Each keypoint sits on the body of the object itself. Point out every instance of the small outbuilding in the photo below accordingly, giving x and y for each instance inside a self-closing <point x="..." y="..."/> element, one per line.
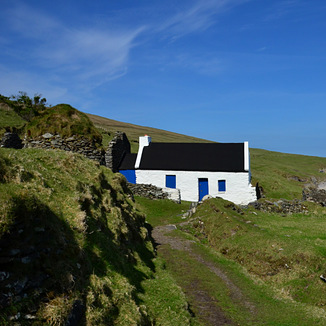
<point x="196" y="169"/>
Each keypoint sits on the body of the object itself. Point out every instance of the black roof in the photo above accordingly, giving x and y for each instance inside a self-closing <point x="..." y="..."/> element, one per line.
<point x="224" y="157"/>
<point x="128" y="162"/>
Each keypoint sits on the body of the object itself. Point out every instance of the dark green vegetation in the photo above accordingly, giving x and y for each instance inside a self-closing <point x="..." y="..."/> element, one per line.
<point x="69" y="231"/>
<point x="33" y="117"/>
<point x="65" y="120"/>
<point x="24" y="106"/>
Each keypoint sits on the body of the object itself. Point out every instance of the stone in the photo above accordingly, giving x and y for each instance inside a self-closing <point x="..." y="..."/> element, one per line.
<point x="315" y="194"/>
<point x="47" y="135"/>
<point x="207" y="197"/>
<point x="29" y="317"/>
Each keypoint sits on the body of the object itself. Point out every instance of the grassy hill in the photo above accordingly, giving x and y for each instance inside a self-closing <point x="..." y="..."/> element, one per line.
<point x="108" y="127"/>
<point x="64" y="120"/>
<point x="72" y="241"/>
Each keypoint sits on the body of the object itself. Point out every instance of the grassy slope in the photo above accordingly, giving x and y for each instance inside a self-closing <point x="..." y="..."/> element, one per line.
<point x="284" y="175"/>
<point x="64" y="120"/>
<point x="91" y="241"/>
<point x="283" y="285"/>
<point x="9" y="118"/>
<point x="133" y="132"/>
<point x="285" y="252"/>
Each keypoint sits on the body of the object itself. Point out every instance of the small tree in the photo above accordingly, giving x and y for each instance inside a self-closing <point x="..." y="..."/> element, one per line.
<point x="28" y="107"/>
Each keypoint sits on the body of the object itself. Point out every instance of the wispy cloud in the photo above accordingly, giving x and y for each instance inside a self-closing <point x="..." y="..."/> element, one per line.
<point x="83" y="53"/>
<point x="196" y="18"/>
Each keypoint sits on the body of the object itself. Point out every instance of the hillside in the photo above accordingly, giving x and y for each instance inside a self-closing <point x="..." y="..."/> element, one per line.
<point x="133" y="132"/>
<point x="75" y="248"/>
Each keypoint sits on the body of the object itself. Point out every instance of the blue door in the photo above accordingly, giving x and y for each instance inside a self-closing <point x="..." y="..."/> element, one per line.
<point x="170" y="181"/>
<point x="202" y="187"/>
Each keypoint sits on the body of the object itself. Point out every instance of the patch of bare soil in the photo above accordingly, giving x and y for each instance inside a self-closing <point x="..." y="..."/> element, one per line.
<point x="207" y="307"/>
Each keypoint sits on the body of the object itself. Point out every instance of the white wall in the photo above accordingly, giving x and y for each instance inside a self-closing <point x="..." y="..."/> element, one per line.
<point x="238" y="188"/>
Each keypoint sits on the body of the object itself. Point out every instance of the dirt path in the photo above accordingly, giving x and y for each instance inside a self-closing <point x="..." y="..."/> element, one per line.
<point x="206" y="306"/>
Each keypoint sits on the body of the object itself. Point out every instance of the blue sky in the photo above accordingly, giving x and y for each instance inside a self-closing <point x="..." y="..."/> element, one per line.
<point x="224" y="70"/>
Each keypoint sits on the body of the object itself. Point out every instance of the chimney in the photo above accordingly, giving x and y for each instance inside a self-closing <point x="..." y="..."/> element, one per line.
<point x="143" y="142"/>
<point x="246" y="156"/>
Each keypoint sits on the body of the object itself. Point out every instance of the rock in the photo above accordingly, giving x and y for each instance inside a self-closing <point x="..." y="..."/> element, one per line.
<point x="29" y="317"/>
<point x="314" y="194"/>
<point x="207" y="197"/>
<point x="171" y="227"/>
<point x="282" y="206"/>
<point x="47" y="135"/>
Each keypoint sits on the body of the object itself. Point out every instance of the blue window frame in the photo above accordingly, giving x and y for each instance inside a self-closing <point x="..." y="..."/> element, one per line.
<point x="221" y="185"/>
<point x="170" y="181"/>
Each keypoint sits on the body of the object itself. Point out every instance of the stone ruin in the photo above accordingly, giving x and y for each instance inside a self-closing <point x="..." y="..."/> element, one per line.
<point x="118" y="147"/>
<point x="111" y="158"/>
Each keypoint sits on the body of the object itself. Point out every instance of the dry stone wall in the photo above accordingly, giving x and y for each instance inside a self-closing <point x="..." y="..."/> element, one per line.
<point x="153" y="192"/>
<point x="117" y="148"/>
<point x="74" y="144"/>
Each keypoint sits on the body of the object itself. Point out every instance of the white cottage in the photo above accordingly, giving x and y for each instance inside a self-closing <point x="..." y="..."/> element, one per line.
<point x="196" y="169"/>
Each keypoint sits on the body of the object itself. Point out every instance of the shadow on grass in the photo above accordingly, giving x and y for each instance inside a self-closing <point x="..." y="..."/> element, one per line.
<point x="43" y="260"/>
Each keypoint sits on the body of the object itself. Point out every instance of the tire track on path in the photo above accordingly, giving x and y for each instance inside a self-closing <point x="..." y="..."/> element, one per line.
<point x="206" y="305"/>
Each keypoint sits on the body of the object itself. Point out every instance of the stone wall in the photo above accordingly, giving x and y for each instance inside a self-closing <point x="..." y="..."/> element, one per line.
<point x="152" y="192"/>
<point x="111" y="158"/>
<point x="315" y="194"/>
<point x="72" y="144"/>
<point x="117" y="148"/>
